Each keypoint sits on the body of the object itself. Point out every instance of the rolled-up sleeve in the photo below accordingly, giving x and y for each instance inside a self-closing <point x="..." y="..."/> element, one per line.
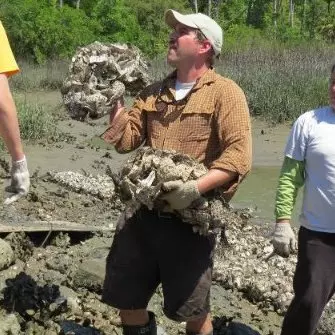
<point x="128" y="131"/>
<point x="234" y="131"/>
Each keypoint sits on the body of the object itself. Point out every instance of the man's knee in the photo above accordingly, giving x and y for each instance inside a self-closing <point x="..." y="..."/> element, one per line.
<point x="138" y="322"/>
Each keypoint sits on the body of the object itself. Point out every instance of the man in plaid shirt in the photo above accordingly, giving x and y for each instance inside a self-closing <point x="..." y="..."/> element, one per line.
<point x="197" y="112"/>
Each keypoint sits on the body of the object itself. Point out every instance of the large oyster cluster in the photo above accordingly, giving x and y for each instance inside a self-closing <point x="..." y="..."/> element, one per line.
<point x="99" y="74"/>
<point x="142" y="176"/>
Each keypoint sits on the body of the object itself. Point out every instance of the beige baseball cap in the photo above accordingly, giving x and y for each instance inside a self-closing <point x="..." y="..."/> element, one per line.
<point x="200" y="21"/>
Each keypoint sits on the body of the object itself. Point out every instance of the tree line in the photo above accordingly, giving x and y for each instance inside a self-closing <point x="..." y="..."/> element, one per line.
<point x="48" y="29"/>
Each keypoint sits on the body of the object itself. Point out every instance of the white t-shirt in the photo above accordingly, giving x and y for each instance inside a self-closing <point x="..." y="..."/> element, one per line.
<point x="312" y="140"/>
<point x="182" y="89"/>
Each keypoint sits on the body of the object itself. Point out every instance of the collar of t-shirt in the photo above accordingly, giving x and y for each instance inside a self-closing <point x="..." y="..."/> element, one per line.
<point x="182" y="89"/>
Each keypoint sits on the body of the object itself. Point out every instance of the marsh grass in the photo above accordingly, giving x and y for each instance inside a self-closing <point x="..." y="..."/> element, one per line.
<point x="280" y="82"/>
<point x="48" y="76"/>
<point x="36" y="122"/>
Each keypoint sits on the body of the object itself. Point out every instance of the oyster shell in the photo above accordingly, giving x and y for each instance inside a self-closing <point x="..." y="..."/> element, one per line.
<point x="98" y="75"/>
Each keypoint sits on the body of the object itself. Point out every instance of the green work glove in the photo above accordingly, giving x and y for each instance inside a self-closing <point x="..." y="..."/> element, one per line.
<point x="180" y="195"/>
<point x="283" y="239"/>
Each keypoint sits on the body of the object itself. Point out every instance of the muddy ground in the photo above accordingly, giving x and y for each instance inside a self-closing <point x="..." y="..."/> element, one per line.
<point x="54" y="281"/>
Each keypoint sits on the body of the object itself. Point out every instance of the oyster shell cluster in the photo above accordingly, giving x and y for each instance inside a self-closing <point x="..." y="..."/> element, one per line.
<point x="249" y="265"/>
<point x="99" y="74"/>
<point x="101" y="186"/>
<point x="142" y="176"/>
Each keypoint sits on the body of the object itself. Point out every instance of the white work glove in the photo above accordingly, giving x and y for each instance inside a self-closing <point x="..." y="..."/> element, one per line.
<point x="20" y="181"/>
<point x="180" y="195"/>
<point x="283" y="239"/>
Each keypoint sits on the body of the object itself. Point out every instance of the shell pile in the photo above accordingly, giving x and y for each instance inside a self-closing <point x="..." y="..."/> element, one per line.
<point x="101" y="186"/>
<point x="99" y="74"/>
<point x="140" y="183"/>
<point x="249" y="265"/>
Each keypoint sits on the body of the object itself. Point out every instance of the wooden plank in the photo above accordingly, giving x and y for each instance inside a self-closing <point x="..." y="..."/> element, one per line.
<point x="40" y="226"/>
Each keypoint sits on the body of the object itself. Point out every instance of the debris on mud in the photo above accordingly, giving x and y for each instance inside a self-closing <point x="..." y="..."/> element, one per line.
<point x="21" y="245"/>
<point x="100" y="74"/>
<point x="7" y="256"/>
<point x="141" y="179"/>
<point x="100" y="186"/>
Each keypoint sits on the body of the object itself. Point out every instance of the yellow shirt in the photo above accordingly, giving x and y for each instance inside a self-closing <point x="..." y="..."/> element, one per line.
<point x="7" y="61"/>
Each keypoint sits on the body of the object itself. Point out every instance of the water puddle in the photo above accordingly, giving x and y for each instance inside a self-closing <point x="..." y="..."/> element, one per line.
<point x="258" y="191"/>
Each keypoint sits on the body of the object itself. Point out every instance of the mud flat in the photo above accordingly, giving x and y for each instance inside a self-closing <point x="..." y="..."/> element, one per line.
<point x="55" y="242"/>
<point x="51" y="280"/>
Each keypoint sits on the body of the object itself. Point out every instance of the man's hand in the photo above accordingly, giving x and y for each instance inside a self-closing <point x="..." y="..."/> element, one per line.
<point x="20" y="181"/>
<point x="116" y="110"/>
<point x="180" y="195"/>
<point x="283" y="239"/>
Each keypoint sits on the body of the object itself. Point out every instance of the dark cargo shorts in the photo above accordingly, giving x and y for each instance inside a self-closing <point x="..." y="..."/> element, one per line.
<point x="155" y="248"/>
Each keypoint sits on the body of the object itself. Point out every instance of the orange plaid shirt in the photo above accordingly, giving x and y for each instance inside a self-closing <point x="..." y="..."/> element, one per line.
<point x="211" y="123"/>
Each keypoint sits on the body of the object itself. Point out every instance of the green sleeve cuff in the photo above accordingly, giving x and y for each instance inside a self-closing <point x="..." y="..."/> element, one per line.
<point x="292" y="177"/>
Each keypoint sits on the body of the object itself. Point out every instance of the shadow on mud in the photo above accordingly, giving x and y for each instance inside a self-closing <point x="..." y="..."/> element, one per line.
<point x="24" y="296"/>
<point x="70" y="327"/>
<point x="224" y="326"/>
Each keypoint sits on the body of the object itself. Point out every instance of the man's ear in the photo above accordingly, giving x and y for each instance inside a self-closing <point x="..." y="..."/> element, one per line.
<point x="205" y="47"/>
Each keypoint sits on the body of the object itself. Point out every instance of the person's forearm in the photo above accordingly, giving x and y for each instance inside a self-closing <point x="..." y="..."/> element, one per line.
<point x="290" y="180"/>
<point x="9" y="126"/>
<point x="215" y="178"/>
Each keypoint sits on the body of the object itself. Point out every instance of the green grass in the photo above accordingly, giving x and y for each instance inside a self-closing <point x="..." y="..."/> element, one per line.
<point x="36" y="122"/>
<point x="48" y="76"/>
<point x="280" y="82"/>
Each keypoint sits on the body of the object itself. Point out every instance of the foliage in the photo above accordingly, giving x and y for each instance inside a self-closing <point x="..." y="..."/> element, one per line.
<point x="40" y="30"/>
<point x="44" y="29"/>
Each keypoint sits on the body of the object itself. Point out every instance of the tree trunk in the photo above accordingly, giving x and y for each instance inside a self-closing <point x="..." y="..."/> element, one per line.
<point x="291" y="14"/>
<point x="215" y="8"/>
<point x="60" y="3"/>
<point x="209" y="8"/>
<point x="303" y="21"/>
<point x="78" y="4"/>
<point x="275" y="13"/>
<point x="195" y="5"/>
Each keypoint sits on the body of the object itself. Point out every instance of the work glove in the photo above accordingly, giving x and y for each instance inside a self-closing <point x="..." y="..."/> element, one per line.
<point x="180" y="195"/>
<point x="20" y="181"/>
<point x="283" y="240"/>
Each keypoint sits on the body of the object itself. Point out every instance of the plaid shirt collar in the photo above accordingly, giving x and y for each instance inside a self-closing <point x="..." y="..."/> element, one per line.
<point x="169" y="83"/>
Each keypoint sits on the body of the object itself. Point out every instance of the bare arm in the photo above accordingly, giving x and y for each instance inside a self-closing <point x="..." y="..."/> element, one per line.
<point x="9" y="126"/>
<point x="215" y="178"/>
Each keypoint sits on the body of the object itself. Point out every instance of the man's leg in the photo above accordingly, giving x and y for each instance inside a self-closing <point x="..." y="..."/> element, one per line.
<point x="313" y="283"/>
<point x="185" y="264"/>
<point x="131" y="277"/>
<point x="200" y="326"/>
<point x="138" y="322"/>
